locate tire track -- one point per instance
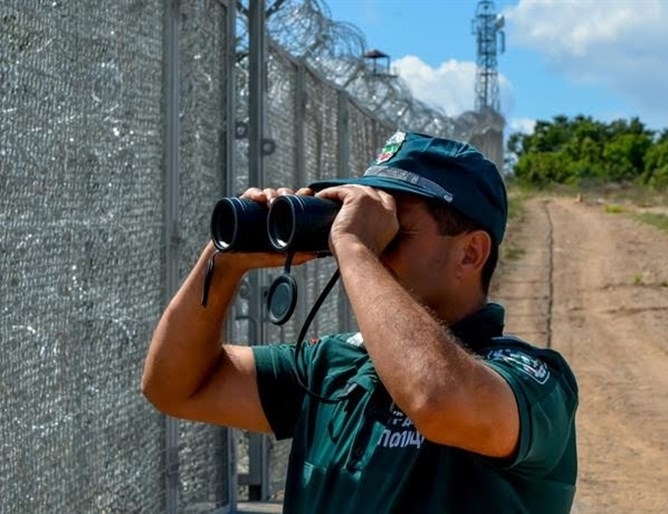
(550, 274)
(525, 283)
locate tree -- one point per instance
(656, 164)
(572, 150)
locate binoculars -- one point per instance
(293, 223)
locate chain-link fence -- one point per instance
(82, 247)
(120, 125)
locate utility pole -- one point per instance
(486, 26)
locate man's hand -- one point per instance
(368, 216)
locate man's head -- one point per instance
(462, 189)
(447, 171)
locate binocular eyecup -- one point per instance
(238, 224)
(293, 223)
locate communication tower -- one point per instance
(491, 41)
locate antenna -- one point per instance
(486, 26)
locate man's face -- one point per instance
(422, 259)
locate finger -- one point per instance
(349, 191)
(282, 191)
(335, 192)
(254, 193)
(376, 194)
(270, 193)
(388, 200)
(328, 192)
(305, 191)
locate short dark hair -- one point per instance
(452, 223)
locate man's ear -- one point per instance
(476, 247)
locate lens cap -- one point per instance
(281, 299)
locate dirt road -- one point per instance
(594, 285)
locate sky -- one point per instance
(607, 59)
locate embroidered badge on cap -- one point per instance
(527, 364)
(391, 147)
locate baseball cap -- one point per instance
(442, 169)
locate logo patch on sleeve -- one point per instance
(527, 364)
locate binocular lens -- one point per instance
(301, 223)
(239, 225)
(223, 224)
(281, 224)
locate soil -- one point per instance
(593, 284)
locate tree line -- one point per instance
(583, 150)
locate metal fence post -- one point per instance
(300, 176)
(343, 170)
(258, 488)
(300, 122)
(172, 91)
(229, 142)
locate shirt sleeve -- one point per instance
(280, 392)
(546, 394)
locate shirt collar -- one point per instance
(476, 330)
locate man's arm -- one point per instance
(450, 395)
(188, 372)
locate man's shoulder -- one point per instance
(536, 362)
(512, 344)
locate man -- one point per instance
(429, 408)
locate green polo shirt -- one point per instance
(359, 454)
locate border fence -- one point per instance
(121, 124)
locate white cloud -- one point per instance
(450, 86)
(618, 44)
(523, 125)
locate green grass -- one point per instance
(617, 193)
(513, 252)
(637, 279)
(613, 208)
(516, 199)
(516, 213)
(656, 219)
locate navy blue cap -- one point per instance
(442, 169)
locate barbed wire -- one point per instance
(305, 30)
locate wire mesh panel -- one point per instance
(321, 158)
(80, 243)
(365, 138)
(202, 477)
(281, 158)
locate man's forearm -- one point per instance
(186, 343)
(411, 351)
(425, 371)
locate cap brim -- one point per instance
(388, 184)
